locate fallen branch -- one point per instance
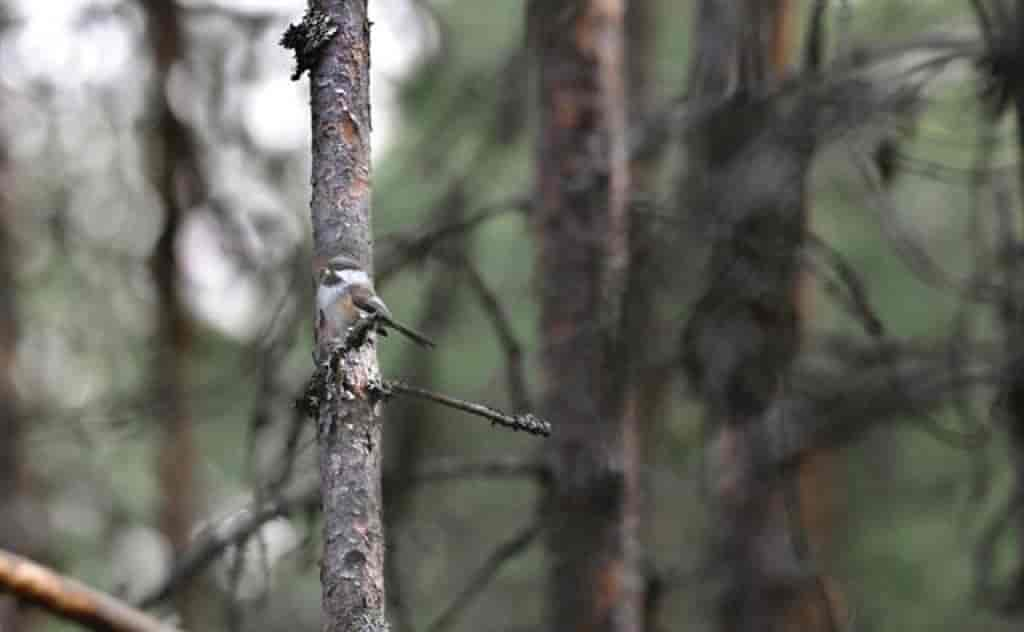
(70, 599)
(527, 422)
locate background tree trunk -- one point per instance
(745, 192)
(349, 431)
(1012, 314)
(580, 219)
(648, 375)
(175, 172)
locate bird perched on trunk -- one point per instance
(345, 296)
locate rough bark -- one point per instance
(745, 193)
(349, 431)
(175, 173)
(581, 225)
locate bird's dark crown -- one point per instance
(343, 263)
(331, 274)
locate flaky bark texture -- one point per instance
(582, 229)
(340, 101)
(175, 173)
(352, 570)
(745, 191)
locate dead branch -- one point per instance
(857, 303)
(527, 422)
(212, 543)
(406, 250)
(70, 599)
(489, 302)
(827, 408)
(814, 41)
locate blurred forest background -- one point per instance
(154, 328)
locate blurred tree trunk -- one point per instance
(349, 431)
(745, 192)
(580, 219)
(175, 173)
(1013, 325)
(648, 375)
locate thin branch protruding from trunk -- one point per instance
(526, 422)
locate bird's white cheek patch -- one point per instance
(357, 277)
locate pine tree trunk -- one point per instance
(349, 430)
(581, 225)
(175, 174)
(745, 193)
(648, 376)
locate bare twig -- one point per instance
(215, 540)
(922, 263)
(515, 374)
(70, 599)
(859, 303)
(485, 575)
(830, 409)
(409, 249)
(527, 422)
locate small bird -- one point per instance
(344, 296)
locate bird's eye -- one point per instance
(330, 278)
